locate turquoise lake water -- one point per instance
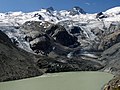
(60, 81)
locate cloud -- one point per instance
(87, 3)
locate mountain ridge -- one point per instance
(16, 18)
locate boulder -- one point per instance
(113, 84)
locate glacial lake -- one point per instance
(60, 81)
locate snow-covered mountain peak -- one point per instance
(115, 10)
(76, 11)
(50, 9)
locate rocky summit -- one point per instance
(48, 41)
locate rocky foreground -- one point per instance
(113, 84)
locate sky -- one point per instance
(90, 6)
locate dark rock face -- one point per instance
(14, 62)
(50, 9)
(75, 30)
(41, 43)
(39, 16)
(65, 39)
(4, 38)
(61, 36)
(100, 15)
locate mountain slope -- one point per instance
(14, 62)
